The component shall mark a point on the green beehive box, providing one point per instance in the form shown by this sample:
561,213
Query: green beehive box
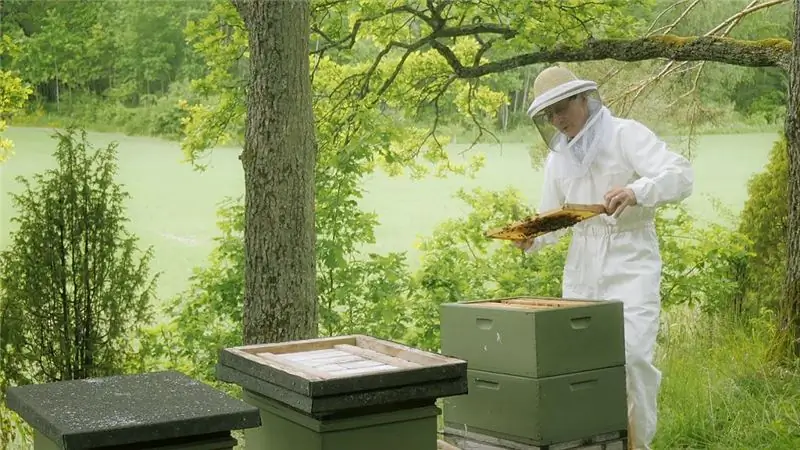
286,429
541,411
534,337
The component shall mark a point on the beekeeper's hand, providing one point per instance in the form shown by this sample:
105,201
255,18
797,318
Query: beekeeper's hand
524,245
617,199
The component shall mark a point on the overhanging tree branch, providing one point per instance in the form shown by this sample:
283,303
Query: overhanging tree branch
443,29
759,53
446,27
722,30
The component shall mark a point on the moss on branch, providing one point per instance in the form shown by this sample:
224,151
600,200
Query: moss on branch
755,53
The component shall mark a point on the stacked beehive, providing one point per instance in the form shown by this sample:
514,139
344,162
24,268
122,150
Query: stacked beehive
542,372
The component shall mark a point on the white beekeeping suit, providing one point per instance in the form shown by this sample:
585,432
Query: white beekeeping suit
598,158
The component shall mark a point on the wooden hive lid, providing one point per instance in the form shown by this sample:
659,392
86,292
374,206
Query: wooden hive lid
340,365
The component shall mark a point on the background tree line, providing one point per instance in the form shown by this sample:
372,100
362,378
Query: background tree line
102,63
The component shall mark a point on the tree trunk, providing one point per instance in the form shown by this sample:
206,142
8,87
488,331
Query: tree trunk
792,297
278,159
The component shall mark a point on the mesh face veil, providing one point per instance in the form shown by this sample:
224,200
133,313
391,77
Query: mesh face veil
558,95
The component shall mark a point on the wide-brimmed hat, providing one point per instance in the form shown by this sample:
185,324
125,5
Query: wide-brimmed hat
555,84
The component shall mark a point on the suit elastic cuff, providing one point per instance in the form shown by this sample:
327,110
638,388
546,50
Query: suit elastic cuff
640,188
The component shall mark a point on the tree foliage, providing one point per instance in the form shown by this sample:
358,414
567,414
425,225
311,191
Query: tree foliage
74,287
378,72
384,298
386,78
764,221
13,95
355,296
71,282
125,51
121,65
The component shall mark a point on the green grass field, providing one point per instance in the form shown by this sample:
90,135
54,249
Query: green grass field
173,208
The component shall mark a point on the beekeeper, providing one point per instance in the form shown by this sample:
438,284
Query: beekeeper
595,158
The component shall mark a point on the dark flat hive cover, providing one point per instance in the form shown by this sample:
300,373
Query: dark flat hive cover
128,409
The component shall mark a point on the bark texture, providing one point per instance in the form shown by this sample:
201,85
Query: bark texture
278,159
792,297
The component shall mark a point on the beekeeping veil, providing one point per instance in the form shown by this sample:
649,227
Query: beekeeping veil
555,90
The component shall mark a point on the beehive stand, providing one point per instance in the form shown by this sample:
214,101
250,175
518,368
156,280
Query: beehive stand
543,373
350,392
